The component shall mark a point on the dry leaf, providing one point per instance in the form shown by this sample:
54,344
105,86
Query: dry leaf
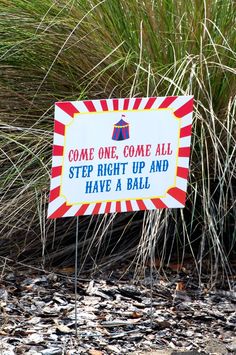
35,338
95,352
2,332
180,286
113,348
136,315
64,329
175,267
66,270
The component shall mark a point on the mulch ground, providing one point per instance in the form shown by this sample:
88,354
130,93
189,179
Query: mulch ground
157,316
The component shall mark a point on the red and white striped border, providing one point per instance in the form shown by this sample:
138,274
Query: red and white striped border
64,112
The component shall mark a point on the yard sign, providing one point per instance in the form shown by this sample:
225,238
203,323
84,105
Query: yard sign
120,155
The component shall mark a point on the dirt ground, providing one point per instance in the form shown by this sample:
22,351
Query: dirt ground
40,310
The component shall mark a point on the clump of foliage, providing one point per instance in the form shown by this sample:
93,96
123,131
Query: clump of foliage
68,50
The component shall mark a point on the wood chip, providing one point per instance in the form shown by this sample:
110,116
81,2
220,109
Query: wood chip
95,352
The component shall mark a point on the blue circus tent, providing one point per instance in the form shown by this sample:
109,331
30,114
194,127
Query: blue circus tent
121,130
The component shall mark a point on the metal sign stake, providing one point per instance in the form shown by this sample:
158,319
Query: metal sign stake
76,273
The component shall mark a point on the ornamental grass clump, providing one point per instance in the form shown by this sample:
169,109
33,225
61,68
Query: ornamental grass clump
69,50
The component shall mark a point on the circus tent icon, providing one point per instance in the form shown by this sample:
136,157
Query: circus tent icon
121,130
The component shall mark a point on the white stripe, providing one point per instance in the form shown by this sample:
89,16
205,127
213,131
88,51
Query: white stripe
180,101
135,205
80,106
121,104
183,162
110,104
89,209
113,207
123,206
154,104
143,103
149,204
158,102
57,160
100,211
181,183
185,141
62,116
55,204
131,103
55,182
58,139
171,202
72,211
97,105
186,120
102,208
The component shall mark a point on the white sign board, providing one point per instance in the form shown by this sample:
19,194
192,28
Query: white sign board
120,155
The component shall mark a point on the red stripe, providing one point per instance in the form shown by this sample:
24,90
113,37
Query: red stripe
128,206
118,206
178,194
185,131
82,209
185,109
96,208
115,105
141,205
68,108
56,171
182,172
168,100
137,103
150,102
184,152
57,150
126,104
54,193
108,207
158,203
90,106
59,128
104,105
60,211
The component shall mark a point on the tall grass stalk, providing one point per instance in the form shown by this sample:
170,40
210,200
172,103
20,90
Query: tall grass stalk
68,50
